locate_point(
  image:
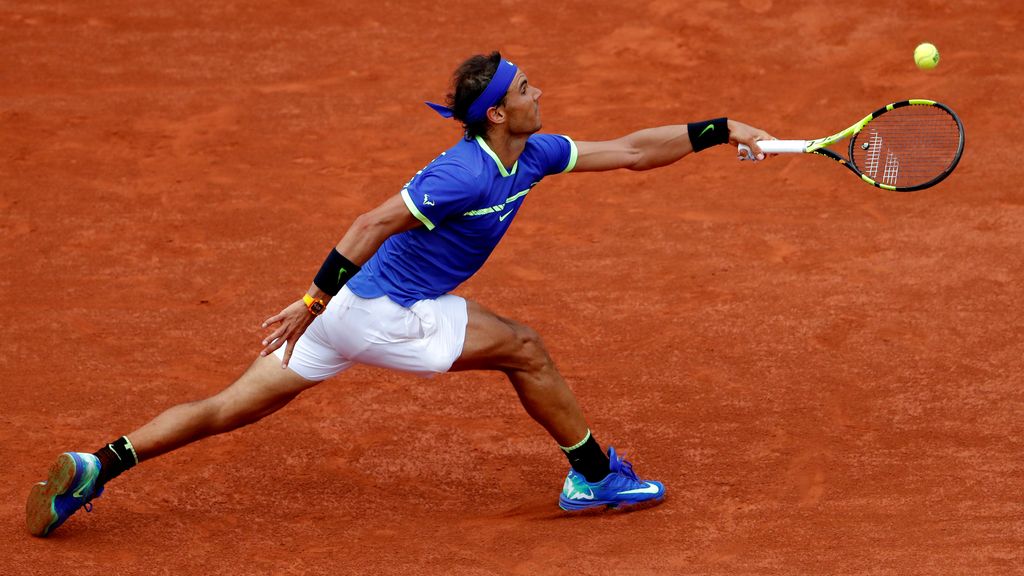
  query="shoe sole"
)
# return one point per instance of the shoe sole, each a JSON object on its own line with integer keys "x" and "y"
{"x": 616, "y": 504}
{"x": 40, "y": 514}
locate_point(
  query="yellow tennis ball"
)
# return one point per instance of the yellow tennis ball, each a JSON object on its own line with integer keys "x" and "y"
{"x": 926, "y": 56}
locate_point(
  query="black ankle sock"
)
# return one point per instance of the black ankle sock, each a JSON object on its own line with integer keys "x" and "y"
{"x": 588, "y": 459}
{"x": 115, "y": 458}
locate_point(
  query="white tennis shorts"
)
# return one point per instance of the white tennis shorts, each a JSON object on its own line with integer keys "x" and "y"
{"x": 425, "y": 339}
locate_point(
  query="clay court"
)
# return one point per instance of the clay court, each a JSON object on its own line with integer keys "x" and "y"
{"x": 825, "y": 375}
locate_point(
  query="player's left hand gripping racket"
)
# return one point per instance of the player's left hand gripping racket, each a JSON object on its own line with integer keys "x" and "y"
{"x": 905, "y": 146}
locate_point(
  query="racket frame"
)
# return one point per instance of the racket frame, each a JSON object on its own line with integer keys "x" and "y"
{"x": 820, "y": 145}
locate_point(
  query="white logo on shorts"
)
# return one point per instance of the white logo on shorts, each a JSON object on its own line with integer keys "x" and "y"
{"x": 427, "y": 201}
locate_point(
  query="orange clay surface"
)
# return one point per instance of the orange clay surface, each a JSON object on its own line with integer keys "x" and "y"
{"x": 826, "y": 376}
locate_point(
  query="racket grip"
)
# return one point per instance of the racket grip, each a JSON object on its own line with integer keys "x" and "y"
{"x": 776, "y": 147}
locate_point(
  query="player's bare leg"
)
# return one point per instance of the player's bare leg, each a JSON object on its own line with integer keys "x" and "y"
{"x": 496, "y": 343}
{"x": 262, "y": 390}
{"x": 596, "y": 479}
{"x": 77, "y": 478}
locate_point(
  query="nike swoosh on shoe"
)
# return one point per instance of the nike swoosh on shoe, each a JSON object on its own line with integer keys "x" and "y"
{"x": 647, "y": 489}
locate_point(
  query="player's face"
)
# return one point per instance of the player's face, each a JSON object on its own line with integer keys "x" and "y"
{"x": 522, "y": 105}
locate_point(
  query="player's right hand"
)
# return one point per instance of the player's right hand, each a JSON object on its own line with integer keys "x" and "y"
{"x": 294, "y": 320}
{"x": 740, "y": 133}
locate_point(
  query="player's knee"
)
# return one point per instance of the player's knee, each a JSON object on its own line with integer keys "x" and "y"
{"x": 225, "y": 414}
{"x": 211, "y": 414}
{"x": 533, "y": 355}
{"x": 231, "y": 411}
{"x": 201, "y": 415}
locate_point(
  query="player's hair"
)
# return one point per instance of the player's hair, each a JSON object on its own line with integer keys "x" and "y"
{"x": 468, "y": 82}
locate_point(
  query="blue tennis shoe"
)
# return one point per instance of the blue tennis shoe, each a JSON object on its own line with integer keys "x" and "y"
{"x": 70, "y": 486}
{"x": 620, "y": 487}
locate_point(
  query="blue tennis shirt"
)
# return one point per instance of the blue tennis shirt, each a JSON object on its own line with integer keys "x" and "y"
{"x": 466, "y": 201}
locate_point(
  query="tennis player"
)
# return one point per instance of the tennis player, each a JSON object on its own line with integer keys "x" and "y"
{"x": 383, "y": 295}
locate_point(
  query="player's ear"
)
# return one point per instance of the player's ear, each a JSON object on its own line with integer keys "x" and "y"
{"x": 496, "y": 114}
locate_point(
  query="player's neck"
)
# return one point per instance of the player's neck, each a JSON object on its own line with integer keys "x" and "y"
{"x": 507, "y": 147}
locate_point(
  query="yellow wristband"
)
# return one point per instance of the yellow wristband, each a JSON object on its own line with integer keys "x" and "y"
{"x": 316, "y": 306}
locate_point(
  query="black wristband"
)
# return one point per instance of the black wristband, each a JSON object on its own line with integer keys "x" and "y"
{"x": 335, "y": 271}
{"x": 708, "y": 133}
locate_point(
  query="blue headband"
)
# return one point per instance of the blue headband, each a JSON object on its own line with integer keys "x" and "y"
{"x": 491, "y": 95}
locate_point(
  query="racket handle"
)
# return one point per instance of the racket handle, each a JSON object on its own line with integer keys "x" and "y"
{"x": 776, "y": 147}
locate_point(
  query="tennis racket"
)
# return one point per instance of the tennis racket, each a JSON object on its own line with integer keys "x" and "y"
{"x": 905, "y": 146}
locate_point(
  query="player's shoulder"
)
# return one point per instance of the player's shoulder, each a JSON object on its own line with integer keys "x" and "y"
{"x": 461, "y": 160}
{"x": 544, "y": 137}
{"x": 461, "y": 165}
{"x": 548, "y": 146}
{"x": 550, "y": 153}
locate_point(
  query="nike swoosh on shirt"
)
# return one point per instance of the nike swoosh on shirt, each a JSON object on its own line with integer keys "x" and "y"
{"x": 505, "y": 215}
{"x": 648, "y": 489}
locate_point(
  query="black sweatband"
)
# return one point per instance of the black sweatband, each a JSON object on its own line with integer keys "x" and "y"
{"x": 335, "y": 271}
{"x": 708, "y": 133}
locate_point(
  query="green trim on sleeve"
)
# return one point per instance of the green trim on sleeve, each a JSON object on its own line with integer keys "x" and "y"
{"x": 573, "y": 155}
{"x": 415, "y": 210}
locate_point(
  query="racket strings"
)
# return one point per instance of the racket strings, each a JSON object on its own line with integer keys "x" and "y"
{"x": 907, "y": 146}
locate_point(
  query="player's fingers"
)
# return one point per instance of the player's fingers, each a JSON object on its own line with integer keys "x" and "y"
{"x": 270, "y": 347}
{"x": 275, "y": 334}
{"x": 288, "y": 353}
{"x": 273, "y": 342}
{"x": 756, "y": 150}
{"x": 745, "y": 152}
{"x": 767, "y": 136}
{"x": 272, "y": 320}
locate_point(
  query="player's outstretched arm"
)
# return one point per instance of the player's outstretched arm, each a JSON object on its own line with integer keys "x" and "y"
{"x": 655, "y": 147}
{"x": 360, "y": 241}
